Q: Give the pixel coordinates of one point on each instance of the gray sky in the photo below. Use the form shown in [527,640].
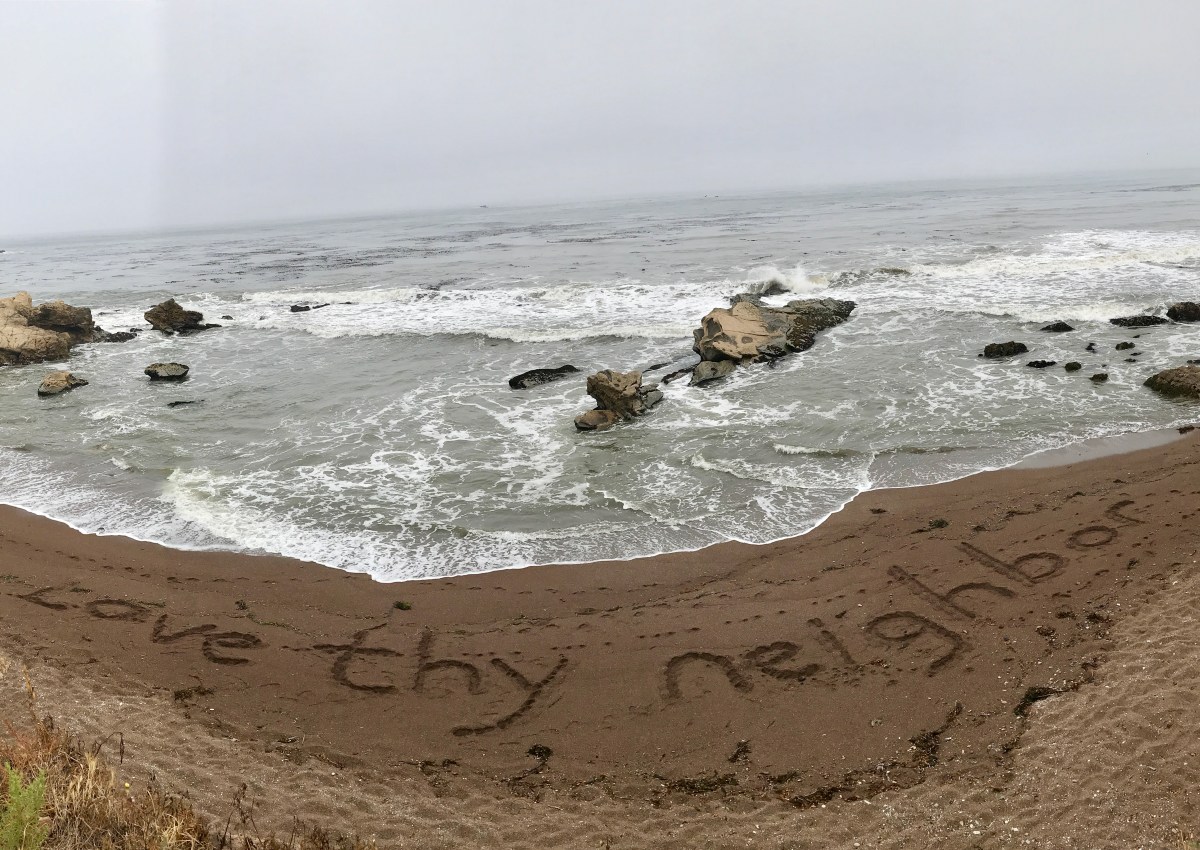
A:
[140,115]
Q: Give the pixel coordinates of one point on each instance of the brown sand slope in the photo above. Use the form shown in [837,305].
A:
[878,680]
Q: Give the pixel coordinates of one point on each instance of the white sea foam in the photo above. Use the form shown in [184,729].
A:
[625,308]
[796,280]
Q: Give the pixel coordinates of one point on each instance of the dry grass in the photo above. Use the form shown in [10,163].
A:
[86,806]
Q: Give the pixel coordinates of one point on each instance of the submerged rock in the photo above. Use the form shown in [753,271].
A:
[711,370]
[596,420]
[1100,377]
[59,382]
[170,318]
[619,396]
[184,403]
[1040,364]
[678,368]
[304,308]
[1180,381]
[167,371]
[1184,311]
[534,377]
[1124,346]
[1138,321]
[751,331]
[1058,328]
[1073,366]
[997,350]
[101,335]
[1091,346]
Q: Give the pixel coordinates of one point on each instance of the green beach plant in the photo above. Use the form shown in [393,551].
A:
[20,819]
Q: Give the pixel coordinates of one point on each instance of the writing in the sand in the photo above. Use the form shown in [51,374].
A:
[928,634]
[925,634]
[526,685]
[520,686]
[218,646]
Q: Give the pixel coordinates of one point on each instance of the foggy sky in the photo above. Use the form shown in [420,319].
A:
[133,115]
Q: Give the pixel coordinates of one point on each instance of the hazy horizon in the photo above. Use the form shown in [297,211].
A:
[136,116]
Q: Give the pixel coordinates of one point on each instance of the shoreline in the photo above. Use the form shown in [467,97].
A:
[1087,448]
[883,653]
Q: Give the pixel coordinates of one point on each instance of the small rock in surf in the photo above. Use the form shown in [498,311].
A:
[534,377]
[167,371]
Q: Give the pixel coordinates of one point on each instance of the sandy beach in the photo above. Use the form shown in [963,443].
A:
[1005,660]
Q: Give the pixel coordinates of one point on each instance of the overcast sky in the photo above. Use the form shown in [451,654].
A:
[140,115]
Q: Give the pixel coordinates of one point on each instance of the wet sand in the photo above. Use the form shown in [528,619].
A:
[1005,660]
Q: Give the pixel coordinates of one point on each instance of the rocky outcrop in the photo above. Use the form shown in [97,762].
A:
[1100,377]
[31,334]
[711,370]
[1073,366]
[1181,381]
[1138,321]
[535,377]
[304,308]
[749,331]
[1058,328]
[1184,311]
[619,396]
[996,350]
[22,343]
[59,382]
[1125,346]
[170,318]
[60,316]
[1040,364]
[167,371]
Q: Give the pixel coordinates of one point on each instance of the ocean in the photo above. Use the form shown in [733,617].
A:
[378,434]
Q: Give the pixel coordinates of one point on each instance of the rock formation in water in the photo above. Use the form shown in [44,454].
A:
[31,334]
[1184,311]
[1138,321]
[748,331]
[711,370]
[1180,381]
[534,377]
[619,396]
[59,382]
[167,371]
[170,318]
[1058,328]
[996,350]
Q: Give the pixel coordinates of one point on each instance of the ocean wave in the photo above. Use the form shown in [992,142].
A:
[796,280]
[818,453]
[520,312]
[1071,253]
[853,276]
[1039,313]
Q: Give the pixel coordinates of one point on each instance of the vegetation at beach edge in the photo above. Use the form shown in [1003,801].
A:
[58,794]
